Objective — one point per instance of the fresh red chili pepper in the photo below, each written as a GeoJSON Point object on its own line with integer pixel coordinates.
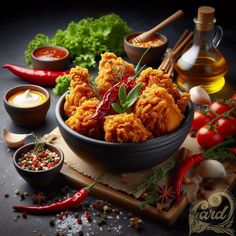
{"type": "Point", "coordinates": [68, 203]}
{"type": "Point", "coordinates": [192, 161]}
{"type": "Point", "coordinates": [110, 96]}
{"type": "Point", "coordinates": [62, 205]}
{"type": "Point", "coordinates": [39, 77]}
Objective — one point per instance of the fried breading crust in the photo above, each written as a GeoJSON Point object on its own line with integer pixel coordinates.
{"type": "Point", "coordinates": [151, 76]}
{"type": "Point", "coordinates": [81, 121]}
{"type": "Point", "coordinates": [111, 70]}
{"type": "Point", "coordinates": [80, 90]}
{"type": "Point", "coordinates": [125, 128]}
{"type": "Point", "coordinates": [157, 110]}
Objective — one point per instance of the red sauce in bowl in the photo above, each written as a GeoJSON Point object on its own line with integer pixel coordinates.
{"type": "Point", "coordinates": [49, 54]}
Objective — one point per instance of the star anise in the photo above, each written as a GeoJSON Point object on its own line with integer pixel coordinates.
{"type": "Point", "coordinates": [165, 194]}
{"type": "Point", "coordinates": [39, 198]}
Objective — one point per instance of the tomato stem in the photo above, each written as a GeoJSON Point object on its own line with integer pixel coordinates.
{"type": "Point", "coordinates": [225, 143]}
{"type": "Point", "coordinates": [226, 114]}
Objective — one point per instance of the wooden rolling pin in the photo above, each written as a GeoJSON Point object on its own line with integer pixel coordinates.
{"type": "Point", "coordinates": [146, 36]}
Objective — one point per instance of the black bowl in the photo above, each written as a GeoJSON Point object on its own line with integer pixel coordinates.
{"type": "Point", "coordinates": [123, 157]}
{"type": "Point", "coordinates": [40, 178]}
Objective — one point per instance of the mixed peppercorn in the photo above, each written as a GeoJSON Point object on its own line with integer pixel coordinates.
{"type": "Point", "coordinates": [38, 160]}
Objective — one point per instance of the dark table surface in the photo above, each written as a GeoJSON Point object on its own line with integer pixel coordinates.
{"type": "Point", "coordinates": [18, 26]}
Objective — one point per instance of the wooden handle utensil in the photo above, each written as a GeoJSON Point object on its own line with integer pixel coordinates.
{"type": "Point", "coordinates": [146, 36]}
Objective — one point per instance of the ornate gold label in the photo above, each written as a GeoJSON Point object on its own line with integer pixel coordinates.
{"type": "Point", "coordinates": [214, 214]}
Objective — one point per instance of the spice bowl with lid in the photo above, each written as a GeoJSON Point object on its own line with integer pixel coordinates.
{"type": "Point", "coordinates": [50, 57]}
{"type": "Point", "coordinates": [27, 105]}
{"type": "Point", "coordinates": [38, 164]}
{"type": "Point", "coordinates": [153, 56]}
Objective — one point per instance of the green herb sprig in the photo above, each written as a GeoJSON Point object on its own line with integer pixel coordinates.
{"type": "Point", "coordinates": [149, 184]}
{"type": "Point", "coordinates": [126, 101]}
{"type": "Point", "coordinates": [38, 144]}
{"type": "Point", "coordinates": [220, 152]}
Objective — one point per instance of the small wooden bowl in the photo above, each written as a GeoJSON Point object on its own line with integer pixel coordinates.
{"type": "Point", "coordinates": [40, 178]}
{"type": "Point", "coordinates": [27, 116]}
{"type": "Point", "coordinates": [54, 64]}
{"type": "Point", "coordinates": [152, 57]}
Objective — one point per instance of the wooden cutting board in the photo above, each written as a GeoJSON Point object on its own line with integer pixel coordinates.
{"type": "Point", "coordinates": [128, 202]}
{"type": "Point", "coordinates": [125, 201]}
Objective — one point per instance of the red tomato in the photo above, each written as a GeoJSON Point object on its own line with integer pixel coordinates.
{"type": "Point", "coordinates": [233, 97]}
{"type": "Point", "coordinates": [226, 126]}
{"type": "Point", "coordinates": [208, 138]}
{"type": "Point", "coordinates": [199, 120]}
{"type": "Point", "coordinates": [218, 107]}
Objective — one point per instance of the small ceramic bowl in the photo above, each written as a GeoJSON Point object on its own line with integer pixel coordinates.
{"type": "Point", "coordinates": [53, 58]}
{"type": "Point", "coordinates": [152, 57]}
{"type": "Point", "coordinates": [27, 116]}
{"type": "Point", "coordinates": [40, 178]}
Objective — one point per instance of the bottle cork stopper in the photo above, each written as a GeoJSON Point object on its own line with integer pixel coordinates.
{"type": "Point", "coordinates": [205, 18]}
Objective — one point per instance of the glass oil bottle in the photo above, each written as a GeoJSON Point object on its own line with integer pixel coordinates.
{"type": "Point", "coordinates": [202, 64]}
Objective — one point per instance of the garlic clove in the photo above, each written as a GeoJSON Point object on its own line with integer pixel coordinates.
{"type": "Point", "coordinates": [13, 140]}
{"type": "Point", "coordinates": [212, 169]}
{"type": "Point", "coordinates": [199, 96]}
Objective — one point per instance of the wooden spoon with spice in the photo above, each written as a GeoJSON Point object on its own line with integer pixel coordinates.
{"type": "Point", "coordinates": [146, 36]}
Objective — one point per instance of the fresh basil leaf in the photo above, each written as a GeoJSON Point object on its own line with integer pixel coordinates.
{"type": "Point", "coordinates": [117, 107]}
{"type": "Point", "coordinates": [133, 94]}
{"type": "Point", "coordinates": [122, 94]}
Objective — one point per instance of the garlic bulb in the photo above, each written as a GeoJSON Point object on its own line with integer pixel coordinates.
{"type": "Point", "coordinates": [212, 169]}
{"type": "Point", "coordinates": [199, 96]}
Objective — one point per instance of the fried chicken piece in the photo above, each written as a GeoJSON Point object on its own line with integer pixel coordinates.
{"type": "Point", "coordinates": [183, 101]}
{"type": "Point", "coordinates": [151, 76]}
{"type": "Point", "coordinates": [125, 128]}
{"type": "Point", "coordinates": [111, 61]}
{"type": "Point", "coordinates": [79, 75]}
{"type": "Point", "coordinates": [80, 90]}
{"type": "Point", "coordinates": [81, 121]}
{"type": "Point", "coordinates": [157, 110]}
{"type": "Point", "coordinates": [111, 70]}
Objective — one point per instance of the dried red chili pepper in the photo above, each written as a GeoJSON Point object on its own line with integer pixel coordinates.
{"type": "Point", "coordinates": [192, 161]}
{"type": "Point", "coordinates": [39, 77]}
{"type": "Point", "coordinates": [110, 96]}
{"type": "Point", "coordinates": [62, 205]}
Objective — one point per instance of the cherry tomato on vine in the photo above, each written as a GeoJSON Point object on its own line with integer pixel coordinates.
{"type": "Point", "coordinates": [199, 120]}
{"type": "Point", "coordinates": [226, 126]}
{"type": "Point", "coordinates": [233, 97]}
{"type": "Point", "coordinates": [208, 137]}
{"type": "Point", "coordinates": [218, 107]}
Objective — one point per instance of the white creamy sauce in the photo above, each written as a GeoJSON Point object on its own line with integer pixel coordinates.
{"type": "Point", "coordinates": [27, 98]}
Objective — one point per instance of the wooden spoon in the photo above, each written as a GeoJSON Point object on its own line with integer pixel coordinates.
{"type": "Point", "coordinates": [146, 36]}
{"type": "Point", "coordinates": [13, 140]}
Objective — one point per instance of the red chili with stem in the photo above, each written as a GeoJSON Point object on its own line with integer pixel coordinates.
{"type": "Point", "coordinates": [34, 76]}
{"type": "Point", "coordinates": [59, 206]}
{"type": "Point", "coordinates": [110, 96]}
{"type": "Point", "coordinates": [192, 161]}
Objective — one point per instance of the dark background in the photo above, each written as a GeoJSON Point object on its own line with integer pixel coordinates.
{"type": "Point", "coordinates": [20, 21]}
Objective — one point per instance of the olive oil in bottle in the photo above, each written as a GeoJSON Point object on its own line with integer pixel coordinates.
{"type": "Point", "coordinates": [203, 64]}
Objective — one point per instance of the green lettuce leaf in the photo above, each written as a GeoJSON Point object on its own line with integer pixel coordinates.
{"type": "Point", "coordinates": [86, 39]}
